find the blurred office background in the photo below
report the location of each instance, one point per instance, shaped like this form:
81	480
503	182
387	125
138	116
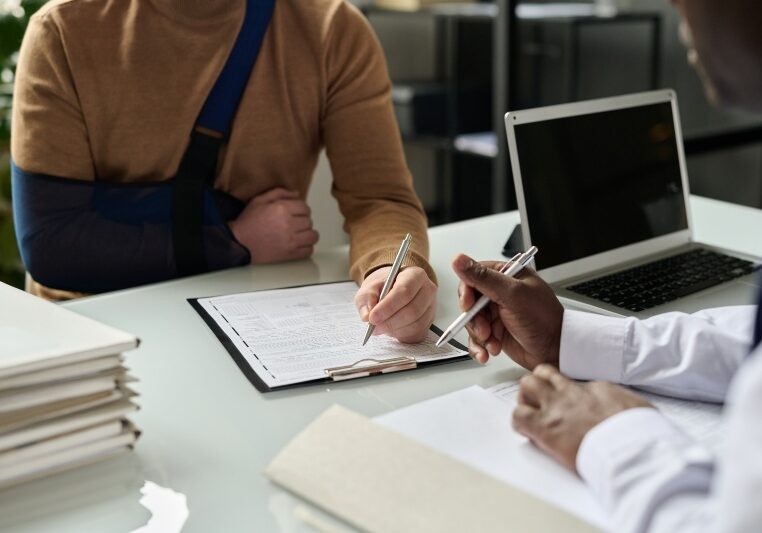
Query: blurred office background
456	67
453	63
562	52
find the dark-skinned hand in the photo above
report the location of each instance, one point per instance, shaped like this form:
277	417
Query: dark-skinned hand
523	319
556	413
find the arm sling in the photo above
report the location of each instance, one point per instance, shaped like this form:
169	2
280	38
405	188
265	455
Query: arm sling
94	236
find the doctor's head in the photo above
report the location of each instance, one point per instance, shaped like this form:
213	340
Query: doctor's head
724	40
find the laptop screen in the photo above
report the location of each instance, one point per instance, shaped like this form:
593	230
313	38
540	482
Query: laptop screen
600	181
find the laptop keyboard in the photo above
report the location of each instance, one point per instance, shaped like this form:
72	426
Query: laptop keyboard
662	281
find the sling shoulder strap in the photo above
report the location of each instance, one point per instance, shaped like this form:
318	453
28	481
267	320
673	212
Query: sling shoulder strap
199	163
221	104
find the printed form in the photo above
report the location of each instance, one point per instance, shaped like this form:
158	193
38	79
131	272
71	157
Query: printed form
292	335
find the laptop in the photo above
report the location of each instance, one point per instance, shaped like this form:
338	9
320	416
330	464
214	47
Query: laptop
602	190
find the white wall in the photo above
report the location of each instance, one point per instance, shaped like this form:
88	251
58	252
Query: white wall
326	217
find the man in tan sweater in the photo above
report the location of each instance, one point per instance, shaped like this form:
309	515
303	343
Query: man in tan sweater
109	91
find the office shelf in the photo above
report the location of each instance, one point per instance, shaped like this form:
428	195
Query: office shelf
481	44
487	10
435	142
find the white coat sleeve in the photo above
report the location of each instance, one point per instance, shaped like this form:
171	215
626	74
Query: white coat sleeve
653	478
692	356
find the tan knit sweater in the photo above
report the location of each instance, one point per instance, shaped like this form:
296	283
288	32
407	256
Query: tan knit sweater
109	90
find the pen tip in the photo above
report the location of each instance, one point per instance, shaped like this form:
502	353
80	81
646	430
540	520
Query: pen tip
367	334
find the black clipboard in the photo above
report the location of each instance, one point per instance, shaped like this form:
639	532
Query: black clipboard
342	373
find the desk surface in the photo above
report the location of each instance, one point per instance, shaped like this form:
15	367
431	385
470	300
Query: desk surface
208	434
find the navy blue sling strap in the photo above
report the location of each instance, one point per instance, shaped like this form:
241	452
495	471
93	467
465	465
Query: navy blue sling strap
95	236
199	164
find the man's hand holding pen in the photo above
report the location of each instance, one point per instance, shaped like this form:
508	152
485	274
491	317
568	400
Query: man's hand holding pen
407	312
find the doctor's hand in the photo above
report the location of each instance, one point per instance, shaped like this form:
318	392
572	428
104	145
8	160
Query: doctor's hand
523	319
408	309
275	226
556	413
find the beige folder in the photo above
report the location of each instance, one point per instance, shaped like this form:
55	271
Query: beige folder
379	480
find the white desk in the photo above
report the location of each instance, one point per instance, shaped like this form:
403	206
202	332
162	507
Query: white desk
208	433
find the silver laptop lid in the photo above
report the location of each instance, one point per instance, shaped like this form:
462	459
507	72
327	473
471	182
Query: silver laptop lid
600	182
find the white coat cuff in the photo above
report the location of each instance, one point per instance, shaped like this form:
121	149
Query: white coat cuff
608	443
592	346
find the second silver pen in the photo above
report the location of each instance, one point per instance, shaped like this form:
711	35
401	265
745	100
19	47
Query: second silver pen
466	317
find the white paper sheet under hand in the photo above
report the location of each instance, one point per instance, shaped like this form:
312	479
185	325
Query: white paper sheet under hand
702	421
474	426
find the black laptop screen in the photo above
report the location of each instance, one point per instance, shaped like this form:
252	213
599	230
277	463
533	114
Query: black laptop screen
600	181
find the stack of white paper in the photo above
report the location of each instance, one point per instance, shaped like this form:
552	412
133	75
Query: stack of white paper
473	425
64	392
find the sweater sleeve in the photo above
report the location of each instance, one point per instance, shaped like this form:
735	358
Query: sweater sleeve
77	233
49	134
371	181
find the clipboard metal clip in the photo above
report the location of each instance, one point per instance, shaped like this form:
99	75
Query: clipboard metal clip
370	367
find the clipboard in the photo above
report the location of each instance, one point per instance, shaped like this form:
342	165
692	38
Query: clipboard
361	368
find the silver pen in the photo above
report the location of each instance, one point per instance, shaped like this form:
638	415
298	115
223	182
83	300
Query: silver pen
401	254
517	264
